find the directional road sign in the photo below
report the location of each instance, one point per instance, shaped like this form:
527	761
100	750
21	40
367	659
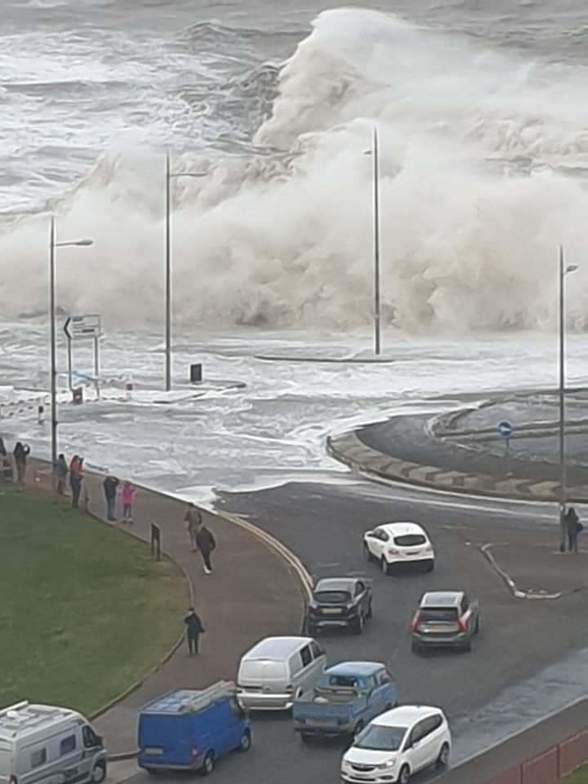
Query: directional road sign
505	430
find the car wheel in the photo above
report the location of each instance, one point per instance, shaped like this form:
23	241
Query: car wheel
245	743
430	566
404	776
99	773
151	771
208	764
467	646
385	566
370	611
367	553
416	647
477	629
312	629
358	624
443	757
305	737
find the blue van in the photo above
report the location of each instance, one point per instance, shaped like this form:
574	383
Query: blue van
191	730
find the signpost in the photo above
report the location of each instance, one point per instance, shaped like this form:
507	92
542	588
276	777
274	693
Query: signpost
505	431
84	327
156	541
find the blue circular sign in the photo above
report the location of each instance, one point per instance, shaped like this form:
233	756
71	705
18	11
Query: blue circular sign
505	429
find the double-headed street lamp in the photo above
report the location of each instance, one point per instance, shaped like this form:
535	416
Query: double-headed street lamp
53	244
563	271
169	175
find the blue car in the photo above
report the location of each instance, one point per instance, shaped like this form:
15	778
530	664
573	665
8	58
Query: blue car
346	698
192	730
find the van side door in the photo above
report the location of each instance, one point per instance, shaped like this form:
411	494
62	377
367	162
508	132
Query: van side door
319	661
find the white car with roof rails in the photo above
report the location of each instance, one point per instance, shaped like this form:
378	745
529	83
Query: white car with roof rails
391	544
44	744
396	745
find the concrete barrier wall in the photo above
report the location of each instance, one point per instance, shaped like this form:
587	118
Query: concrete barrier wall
550	767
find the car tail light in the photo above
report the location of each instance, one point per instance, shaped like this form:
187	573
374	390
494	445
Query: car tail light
461	625
13	780
414	623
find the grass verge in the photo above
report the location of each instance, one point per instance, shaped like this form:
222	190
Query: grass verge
579	777
85	611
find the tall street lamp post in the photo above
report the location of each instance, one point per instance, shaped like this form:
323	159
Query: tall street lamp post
563	271
169	175
53	244
375	153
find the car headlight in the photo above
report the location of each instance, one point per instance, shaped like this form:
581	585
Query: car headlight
388	765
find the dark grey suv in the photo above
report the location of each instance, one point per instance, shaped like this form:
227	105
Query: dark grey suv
445	619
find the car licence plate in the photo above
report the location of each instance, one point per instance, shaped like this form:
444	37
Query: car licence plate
153	750
331	611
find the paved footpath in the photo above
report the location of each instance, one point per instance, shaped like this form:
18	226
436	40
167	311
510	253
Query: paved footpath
252	593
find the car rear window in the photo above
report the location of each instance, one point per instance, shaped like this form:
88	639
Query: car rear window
332	597
438	614
409	540
260	670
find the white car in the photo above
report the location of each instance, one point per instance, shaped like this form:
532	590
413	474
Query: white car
396	543
397	744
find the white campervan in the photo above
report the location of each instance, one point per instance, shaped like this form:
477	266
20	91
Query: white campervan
48	745
279	670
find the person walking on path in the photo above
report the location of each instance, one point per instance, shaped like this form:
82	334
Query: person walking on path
573	528
194	629
127	495
110	486
75	479
61	471
21	452
206	543
193	519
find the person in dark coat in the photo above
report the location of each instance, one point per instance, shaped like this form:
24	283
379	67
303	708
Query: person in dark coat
61	472
206	544
573	528
193	520
110	485
194	629
21	452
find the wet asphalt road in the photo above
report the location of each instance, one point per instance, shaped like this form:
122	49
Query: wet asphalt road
324	524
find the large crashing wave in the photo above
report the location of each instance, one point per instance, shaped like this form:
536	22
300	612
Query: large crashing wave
477	157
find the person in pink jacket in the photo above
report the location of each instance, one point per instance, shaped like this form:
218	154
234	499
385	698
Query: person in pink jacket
127	496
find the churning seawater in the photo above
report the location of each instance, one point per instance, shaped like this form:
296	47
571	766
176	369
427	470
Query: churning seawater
484	146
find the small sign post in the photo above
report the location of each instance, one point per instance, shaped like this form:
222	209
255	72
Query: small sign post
505	430
156	541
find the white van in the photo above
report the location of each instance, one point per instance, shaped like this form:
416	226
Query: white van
279	670
48	745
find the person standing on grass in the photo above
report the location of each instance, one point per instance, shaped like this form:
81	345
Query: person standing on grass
61	474
193	519
127	495
194	629
110	485
21	452
75	480
206	544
